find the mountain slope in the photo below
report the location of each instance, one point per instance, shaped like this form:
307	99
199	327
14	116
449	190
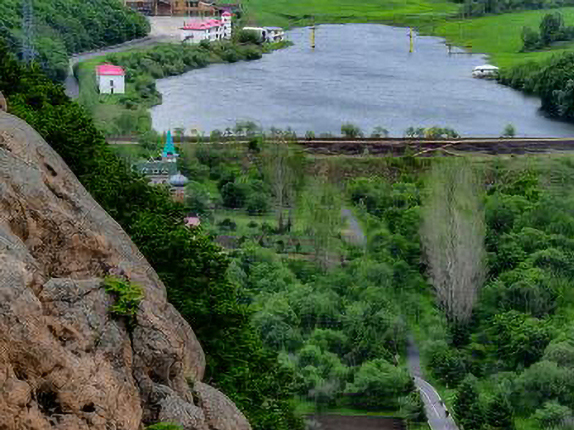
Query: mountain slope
67	359
63	27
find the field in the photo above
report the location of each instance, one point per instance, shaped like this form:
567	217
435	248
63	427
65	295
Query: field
499	36
289	13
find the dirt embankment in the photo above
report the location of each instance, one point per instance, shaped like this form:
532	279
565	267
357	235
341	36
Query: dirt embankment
344	422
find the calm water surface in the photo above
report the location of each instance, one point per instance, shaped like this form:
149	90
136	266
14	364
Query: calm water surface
359	73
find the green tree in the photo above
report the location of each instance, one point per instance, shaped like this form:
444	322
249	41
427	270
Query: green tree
509	131
380	132
320	210
379	384
530	39
518	339
498	413
551	28
552	415
467	408
351	131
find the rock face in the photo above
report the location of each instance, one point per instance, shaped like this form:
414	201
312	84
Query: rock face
65	362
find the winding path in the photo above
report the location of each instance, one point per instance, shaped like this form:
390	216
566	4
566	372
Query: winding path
71	83
434	406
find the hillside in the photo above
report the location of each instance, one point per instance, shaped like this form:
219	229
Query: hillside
85	354
63	27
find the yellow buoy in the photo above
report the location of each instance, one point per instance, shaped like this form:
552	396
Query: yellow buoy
313	36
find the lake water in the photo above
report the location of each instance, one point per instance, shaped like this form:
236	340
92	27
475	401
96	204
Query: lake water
359	73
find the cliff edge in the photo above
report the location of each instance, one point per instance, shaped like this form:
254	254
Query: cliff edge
65	362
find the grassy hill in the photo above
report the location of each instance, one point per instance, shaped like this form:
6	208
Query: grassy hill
500	35
63	27
302	12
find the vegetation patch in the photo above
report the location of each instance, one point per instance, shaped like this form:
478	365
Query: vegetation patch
128	298
63	27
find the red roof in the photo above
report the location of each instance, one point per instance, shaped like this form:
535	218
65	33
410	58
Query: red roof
203	25
109	70
225	14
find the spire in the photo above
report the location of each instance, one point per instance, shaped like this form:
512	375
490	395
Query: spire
169	151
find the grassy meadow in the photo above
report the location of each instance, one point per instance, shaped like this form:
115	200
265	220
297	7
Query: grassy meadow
499	36
288	13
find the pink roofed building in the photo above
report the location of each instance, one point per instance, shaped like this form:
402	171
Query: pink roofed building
192	221
210	29
111	79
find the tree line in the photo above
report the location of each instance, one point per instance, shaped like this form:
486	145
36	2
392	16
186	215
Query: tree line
497	253
64	27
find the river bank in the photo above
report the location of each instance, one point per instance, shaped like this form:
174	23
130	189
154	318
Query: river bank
358	73
129	113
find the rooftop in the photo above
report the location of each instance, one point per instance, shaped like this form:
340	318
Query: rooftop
109	70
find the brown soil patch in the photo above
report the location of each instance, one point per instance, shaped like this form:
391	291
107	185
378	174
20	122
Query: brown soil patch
343	422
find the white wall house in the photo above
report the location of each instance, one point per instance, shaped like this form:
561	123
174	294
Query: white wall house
207	29
111	79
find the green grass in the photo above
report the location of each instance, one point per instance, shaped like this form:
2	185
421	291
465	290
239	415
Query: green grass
289	13
499	36
131	153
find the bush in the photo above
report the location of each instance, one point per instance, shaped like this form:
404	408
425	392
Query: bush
165	426
248	37
227	225
234	195
379	384
128	298
467	408
553	415
509	131
257	203
351	131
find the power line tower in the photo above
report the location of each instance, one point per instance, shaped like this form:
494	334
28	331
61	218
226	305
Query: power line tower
29	53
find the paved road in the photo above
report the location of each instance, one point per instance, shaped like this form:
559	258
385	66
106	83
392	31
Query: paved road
435	409
72	88
355	233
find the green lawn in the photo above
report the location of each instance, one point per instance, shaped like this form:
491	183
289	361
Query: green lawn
499	36
288	13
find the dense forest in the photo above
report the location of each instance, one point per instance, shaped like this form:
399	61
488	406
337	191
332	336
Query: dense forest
473	258
63	27
552	81
503	230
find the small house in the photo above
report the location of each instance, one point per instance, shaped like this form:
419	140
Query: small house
111	79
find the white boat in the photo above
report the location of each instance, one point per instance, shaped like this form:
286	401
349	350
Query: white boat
486	71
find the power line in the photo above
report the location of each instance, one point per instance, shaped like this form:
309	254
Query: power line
29	53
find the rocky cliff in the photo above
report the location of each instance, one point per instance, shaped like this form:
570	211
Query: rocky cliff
65	361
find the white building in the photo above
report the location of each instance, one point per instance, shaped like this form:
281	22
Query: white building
111	79
207	29
268	34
